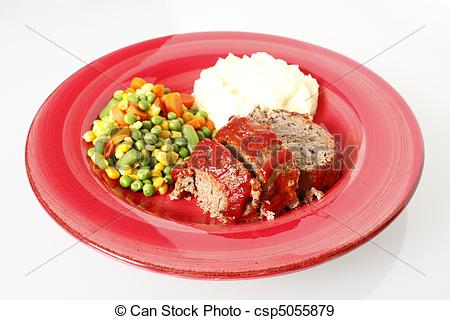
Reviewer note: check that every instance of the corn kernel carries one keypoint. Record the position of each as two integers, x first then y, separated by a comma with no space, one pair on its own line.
164,134
123,147
167,147
154,110
99,127
139,91
128,139
123,104
119,154
163,189
133,176
155,173
147,87
162,157
155,152
172,156
158,182
89,136
176,134
165,125
112,173
125,96
125,170
159,166
137,125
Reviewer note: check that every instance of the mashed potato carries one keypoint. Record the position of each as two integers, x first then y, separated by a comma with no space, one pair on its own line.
234,86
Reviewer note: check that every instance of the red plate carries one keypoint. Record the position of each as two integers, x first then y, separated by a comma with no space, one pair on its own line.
173,236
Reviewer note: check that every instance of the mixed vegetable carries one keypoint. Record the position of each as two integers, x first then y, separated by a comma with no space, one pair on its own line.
143,132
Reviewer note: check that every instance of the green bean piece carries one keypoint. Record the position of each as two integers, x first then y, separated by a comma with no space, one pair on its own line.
183,152
99,144
105,114
90,152
174,125
99,160
136,134
129,118
147,124
180,141
190,135
157,120
139,145
145,158
110,128
143,105
136,185
206,131
129,158
175,148
125,181
200,135
213,134
151,97
112,161
143,174
150,138
171,115
148,190
147,181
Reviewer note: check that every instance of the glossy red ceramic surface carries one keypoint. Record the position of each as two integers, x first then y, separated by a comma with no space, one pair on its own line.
374,125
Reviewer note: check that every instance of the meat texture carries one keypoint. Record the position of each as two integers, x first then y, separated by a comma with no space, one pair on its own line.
222,185
272,163
314,148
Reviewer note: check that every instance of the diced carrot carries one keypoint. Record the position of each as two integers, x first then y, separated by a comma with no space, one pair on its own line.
162,105
200,119
195,123
118,115
158,90
187,100
173,103
120,135
134,109
109,149
136,83
210,125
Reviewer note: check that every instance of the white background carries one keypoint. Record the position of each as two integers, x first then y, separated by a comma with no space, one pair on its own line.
31,68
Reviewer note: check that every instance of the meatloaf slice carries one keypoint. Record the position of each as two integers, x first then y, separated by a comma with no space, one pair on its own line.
268,158
222,185
313,146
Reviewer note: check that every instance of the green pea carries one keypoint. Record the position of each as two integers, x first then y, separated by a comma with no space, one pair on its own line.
129,118
183,152
143,105
159,143
140,144
146,124
206,131
200,135
174,125
166,90
136,134
213,134
148,190
118,94
180,141
147,181
136,185
143,174
156,131
125,181
145,158
181,121
129,158
150,138
175,148
144,131
191,137
90,152
167,170
157,119
202,113
169,179
132,97
151,97
171,115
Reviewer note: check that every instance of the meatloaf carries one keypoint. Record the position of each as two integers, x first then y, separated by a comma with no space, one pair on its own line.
222,185
314,147
272,163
